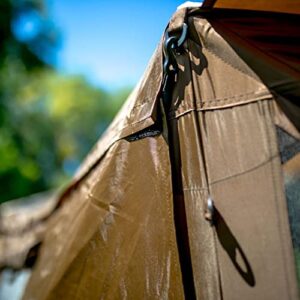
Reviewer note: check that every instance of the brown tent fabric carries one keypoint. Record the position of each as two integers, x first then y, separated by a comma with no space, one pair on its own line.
273,40
123,225
22,227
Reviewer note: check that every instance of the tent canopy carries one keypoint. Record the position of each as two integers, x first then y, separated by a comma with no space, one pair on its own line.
133,225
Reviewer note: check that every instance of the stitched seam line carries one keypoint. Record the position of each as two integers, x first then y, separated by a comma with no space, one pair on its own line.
231,100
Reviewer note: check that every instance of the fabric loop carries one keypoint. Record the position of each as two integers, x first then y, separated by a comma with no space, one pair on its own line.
177,20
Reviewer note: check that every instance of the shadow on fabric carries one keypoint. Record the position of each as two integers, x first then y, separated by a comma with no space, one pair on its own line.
233,249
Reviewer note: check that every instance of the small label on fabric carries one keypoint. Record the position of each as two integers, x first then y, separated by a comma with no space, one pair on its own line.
148,132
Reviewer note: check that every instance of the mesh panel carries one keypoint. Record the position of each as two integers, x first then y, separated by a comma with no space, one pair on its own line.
289,148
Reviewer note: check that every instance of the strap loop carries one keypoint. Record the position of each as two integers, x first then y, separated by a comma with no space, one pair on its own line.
177,21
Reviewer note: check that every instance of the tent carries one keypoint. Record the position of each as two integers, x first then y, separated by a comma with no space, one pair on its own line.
193,191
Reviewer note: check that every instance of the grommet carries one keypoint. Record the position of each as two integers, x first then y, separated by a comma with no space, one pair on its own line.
210,210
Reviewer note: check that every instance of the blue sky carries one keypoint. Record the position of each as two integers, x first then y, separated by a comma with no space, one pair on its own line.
110,42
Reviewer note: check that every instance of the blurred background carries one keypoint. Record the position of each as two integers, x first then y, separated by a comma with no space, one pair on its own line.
66,67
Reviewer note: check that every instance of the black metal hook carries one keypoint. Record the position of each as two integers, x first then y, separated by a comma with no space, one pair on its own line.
181,39
171,44
170,60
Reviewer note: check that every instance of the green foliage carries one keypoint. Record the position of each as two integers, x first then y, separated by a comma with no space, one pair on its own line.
48,122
